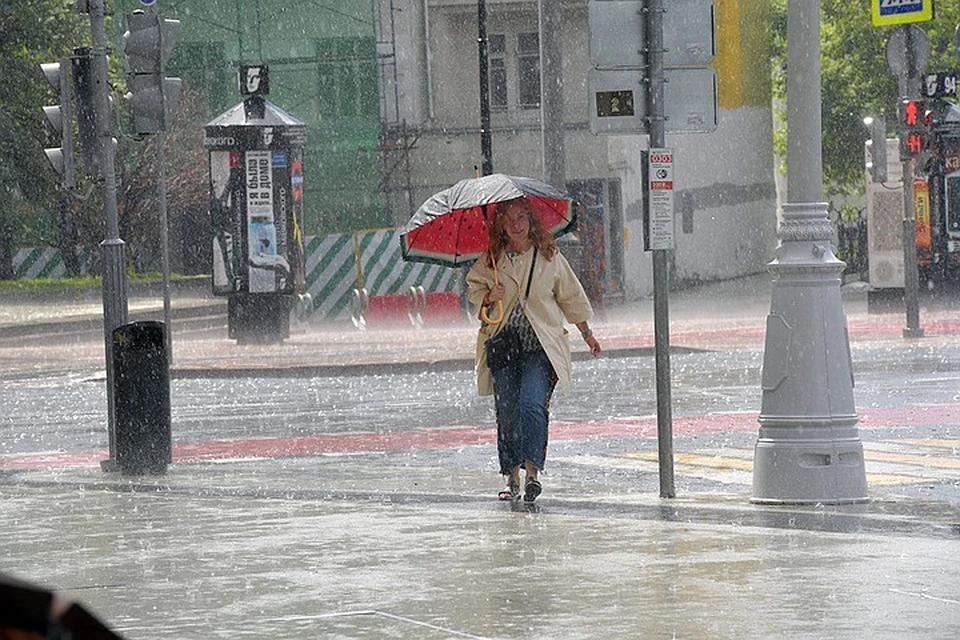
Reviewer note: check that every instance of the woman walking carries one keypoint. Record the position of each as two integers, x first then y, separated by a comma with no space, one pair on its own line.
524,270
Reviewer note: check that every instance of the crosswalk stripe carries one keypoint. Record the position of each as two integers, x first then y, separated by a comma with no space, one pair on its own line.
715,462
743,461
936,443
913,459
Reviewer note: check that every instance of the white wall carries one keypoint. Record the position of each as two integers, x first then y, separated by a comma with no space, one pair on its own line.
724,178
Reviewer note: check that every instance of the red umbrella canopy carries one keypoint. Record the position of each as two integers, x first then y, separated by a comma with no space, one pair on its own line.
450,228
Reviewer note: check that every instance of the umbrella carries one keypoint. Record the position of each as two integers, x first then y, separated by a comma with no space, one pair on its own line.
450,228
30,611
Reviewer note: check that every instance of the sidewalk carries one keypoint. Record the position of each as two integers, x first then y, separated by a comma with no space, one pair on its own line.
355,538
51,336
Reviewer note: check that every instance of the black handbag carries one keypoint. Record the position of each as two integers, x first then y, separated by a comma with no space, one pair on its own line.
504,346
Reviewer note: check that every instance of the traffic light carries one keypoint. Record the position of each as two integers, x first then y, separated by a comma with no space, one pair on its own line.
915,120
84,89
60,117
152,97
877,146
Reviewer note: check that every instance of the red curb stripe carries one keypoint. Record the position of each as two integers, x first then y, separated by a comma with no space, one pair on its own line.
634,427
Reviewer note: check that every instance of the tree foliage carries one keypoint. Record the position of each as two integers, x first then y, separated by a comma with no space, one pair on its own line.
31,32
32,204
856,80
185,171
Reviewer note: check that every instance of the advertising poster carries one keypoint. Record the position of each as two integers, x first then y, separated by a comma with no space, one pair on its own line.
251,208
226,209
921,212
256,195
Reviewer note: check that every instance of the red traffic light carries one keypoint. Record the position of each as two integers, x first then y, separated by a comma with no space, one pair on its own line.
915,143
912,144
914,113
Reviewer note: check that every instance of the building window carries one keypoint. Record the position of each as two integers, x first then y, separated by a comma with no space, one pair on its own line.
497,76
528,69
347,77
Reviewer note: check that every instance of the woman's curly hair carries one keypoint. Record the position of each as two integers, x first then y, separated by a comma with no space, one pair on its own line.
497,235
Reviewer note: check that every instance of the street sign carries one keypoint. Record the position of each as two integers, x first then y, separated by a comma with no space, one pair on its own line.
617,34
618,81
884,13
898,55
618,101
940,84
660,204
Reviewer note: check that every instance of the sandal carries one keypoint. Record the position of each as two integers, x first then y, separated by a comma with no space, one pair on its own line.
532,490
512,492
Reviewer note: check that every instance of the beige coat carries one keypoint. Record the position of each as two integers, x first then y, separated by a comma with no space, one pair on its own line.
556,295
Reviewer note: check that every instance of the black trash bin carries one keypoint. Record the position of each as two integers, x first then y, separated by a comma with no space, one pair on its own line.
141,383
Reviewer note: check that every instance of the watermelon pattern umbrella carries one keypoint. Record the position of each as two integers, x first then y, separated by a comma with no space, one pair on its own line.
450,228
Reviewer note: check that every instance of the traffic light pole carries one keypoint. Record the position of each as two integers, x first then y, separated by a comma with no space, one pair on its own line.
161,142
909,88
661,262
113,248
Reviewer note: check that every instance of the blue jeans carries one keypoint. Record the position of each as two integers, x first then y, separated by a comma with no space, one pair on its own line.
522,391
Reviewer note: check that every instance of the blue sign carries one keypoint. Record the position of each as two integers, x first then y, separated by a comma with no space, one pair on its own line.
890,12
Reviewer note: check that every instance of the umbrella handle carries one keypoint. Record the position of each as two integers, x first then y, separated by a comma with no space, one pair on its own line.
483,310
486,318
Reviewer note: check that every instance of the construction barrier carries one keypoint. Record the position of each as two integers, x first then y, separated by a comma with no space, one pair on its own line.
45,262
38,263
414,308
345,273
442,308
349,276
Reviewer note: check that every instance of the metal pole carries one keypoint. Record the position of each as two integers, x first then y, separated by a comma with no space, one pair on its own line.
808,450
486,142
911,275
551,93
161,142
661,262
164,239
113,248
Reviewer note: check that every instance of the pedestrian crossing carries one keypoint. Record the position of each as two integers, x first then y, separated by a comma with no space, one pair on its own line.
891,462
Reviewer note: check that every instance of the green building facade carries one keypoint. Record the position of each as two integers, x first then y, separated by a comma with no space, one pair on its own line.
322,57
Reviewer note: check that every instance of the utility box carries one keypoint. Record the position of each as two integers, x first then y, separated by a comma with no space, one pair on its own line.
141,382
885,224
256,209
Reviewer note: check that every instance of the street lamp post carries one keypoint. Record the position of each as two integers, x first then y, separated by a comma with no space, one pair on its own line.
809,448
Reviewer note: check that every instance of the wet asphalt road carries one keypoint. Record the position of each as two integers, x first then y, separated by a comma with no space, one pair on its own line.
69,411
162,566
408,543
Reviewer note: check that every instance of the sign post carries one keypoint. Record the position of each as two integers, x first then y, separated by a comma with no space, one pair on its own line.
620,77
651,73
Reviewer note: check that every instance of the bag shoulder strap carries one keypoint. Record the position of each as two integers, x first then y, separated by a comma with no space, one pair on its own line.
530,276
